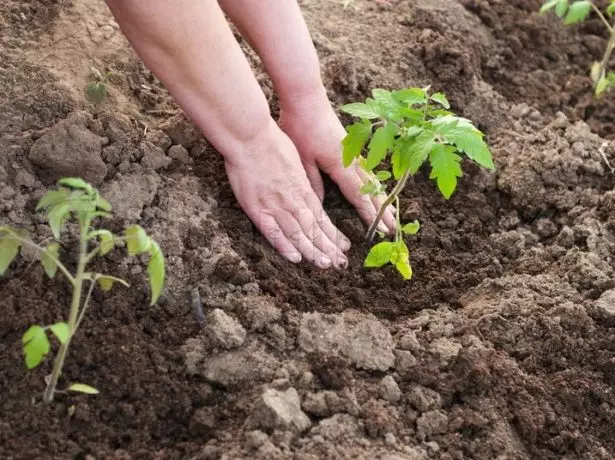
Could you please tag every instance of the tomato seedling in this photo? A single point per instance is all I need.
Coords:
(576, 12)
(409, 127)
(75, 198)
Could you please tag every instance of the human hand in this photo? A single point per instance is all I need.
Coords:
(273, 189)
(317, 132)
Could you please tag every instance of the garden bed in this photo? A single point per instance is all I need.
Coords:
(500, 347)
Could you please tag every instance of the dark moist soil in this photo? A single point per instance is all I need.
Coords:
(501, 346)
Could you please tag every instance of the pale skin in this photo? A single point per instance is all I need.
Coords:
(274, 169)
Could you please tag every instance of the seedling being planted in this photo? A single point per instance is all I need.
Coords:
(408, 127)
(576, 12)
(77, 200)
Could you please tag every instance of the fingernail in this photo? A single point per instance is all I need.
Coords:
(324, 262)
(345, 244)
(294, 257)
(383, 228)
(342, 263)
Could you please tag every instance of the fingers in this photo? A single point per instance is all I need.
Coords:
(313, 175)
(276, 238)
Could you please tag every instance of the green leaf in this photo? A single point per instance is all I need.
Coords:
(9, 247)
(355, 140)
(35, 346)
(411, 228)
(75, 182)
(367, 189)
(156, 270)
(103, 204)
(596, 71)
(388, 105)
(561, 8)
(601, 86)
(445, 168)
(52, 198)
(49, 257)
(411, 96)
(466, 138)
(57, 216)
(400, 252)
(404, 269)
(362, 110)
(411, 153)
(61, 331)
(548, 5)
(137, 240)
(381, 142)
(441, 99)
(106, 282)
(105, 240)
(83, 388)
(610, 9)
(383, 175)
(379, 255)
(96, 92)
(578, 12)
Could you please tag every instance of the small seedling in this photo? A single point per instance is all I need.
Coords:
(96, 90)
(578, 11)
(78, 200)
(412, 126)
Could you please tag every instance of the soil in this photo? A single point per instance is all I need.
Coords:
(502, 345)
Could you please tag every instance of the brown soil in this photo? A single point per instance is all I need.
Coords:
(501, 347)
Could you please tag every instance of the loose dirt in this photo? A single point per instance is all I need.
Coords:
(502, 345)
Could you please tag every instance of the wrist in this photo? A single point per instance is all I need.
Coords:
(307, 98)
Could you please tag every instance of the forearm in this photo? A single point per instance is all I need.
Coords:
(277, 31)
(189, 46)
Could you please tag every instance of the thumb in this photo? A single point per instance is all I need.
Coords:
(313, 175)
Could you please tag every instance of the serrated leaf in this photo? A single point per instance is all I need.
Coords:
(548, 5)
(137, 240)
(57, 215)
(411, 228)
(404, 269)
(379, 255)
(383, 175)
(76, 182)
(35, 346)
(411, 96)
(445, 168)
(83, 388)
(441, 99)
(578, 12)
(561, 8)
(49, 257)
(156, 270)
(388, 105)
(362, 110)
(52, 198)
(61, 331)
(469, 140)
(411, 153)
(9, 248)
(355, 140)
(381, 142)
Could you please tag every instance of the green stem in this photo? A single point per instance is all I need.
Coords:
(397, 220)
(607, 55)
(73, 315)
(86, 302)
(602, 18)
(392, 196)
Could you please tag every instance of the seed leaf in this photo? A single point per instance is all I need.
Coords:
(379, 255)
(411, 228)
(441, 99)
(404, 268)
(49, 259)
(383, 175)
(610, 9)
(548, 5)
(561, 8)
(106, 282)
(367, 189)
(381, 142)
(35, 346)
(156, 270)
(399, 253)
(578, 12)
(445, 168)
(83, 388)
(137, 240)
(9, 247)
(75, 182)
(61, 331)
(355, 140)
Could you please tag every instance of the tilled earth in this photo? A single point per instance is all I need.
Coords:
(501, 347)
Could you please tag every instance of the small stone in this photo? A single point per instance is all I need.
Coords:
(315, 404)
(153, 156)
(181, 131)
(424, 399)
(255, 439)
(371, 346)
(179, 153)
(280, 410)
(237, 367)
(389, 390)
(409, 342)
(130, 194)
(606, 303)
(432, 423)
(390, 439)
(224, 331)
(546, 228)
(202, 422)
(158, 138)
(24, 179)
(404, 361)
(445, 349)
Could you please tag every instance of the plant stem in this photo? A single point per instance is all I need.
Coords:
(392, 196)
(73, 315)
(602, 18)
(607, 55)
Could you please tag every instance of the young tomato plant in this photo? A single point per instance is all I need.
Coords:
(577, 11)
(75, 198)
(408, 127)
